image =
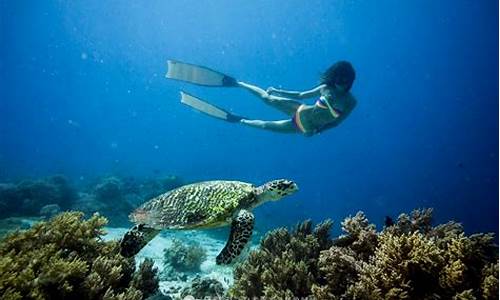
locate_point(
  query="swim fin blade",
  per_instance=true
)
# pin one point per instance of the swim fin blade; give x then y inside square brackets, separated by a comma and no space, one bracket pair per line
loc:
[208,108]
[198,75]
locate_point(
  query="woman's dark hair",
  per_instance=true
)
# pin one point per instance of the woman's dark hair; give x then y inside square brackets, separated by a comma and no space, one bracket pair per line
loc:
[341,73]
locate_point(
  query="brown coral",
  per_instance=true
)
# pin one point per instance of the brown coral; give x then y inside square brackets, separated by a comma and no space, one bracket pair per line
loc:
[65,259]
[361,236]
[408,260]
[489,284]
[402,266]
[285,266]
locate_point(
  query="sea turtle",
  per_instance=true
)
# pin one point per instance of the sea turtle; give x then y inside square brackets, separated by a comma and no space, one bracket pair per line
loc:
[202,205]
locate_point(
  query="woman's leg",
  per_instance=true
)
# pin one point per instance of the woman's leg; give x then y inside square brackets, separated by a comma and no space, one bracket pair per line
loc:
[286,105]
[282,126]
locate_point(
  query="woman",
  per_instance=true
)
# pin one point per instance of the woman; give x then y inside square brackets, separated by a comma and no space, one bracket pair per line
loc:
[334,101]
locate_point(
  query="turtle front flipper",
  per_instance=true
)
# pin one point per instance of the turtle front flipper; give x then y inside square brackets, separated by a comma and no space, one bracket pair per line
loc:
[136,238]
[241,232]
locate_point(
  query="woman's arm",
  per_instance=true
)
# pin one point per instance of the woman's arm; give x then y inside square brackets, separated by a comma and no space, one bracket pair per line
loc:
[315,92]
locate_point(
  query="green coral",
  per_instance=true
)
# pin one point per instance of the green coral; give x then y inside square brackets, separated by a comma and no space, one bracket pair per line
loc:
[184,257]
[65,258]
[408,260]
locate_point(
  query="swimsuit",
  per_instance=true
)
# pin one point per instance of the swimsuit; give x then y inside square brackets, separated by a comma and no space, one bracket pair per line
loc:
[296,119]
[321,103]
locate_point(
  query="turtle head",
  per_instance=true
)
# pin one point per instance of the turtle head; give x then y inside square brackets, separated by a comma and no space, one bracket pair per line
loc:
[276,189]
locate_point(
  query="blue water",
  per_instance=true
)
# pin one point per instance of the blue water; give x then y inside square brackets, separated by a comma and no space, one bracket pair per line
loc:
[82,92]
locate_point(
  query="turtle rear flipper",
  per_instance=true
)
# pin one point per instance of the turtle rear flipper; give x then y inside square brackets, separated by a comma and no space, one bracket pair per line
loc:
[241,232]
[135,239]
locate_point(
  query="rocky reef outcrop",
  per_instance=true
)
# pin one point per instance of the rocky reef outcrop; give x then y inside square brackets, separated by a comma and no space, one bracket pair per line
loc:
[28,197]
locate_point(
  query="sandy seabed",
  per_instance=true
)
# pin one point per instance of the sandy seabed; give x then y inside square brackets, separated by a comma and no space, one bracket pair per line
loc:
[154,250]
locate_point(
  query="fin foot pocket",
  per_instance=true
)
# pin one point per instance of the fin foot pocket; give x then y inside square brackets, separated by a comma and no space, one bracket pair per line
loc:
[229,81]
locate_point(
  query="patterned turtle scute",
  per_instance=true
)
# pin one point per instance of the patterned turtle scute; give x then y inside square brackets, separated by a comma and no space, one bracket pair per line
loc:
[199,205]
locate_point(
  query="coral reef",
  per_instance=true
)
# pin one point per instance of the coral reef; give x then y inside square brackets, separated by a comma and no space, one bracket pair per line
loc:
[109,193]
[12,224]
[29,196]
[204,288]
[109,189]
[410,259]
[145,279]
[65,258]
[50,210]
[111,196]
[285,266]
[184,257]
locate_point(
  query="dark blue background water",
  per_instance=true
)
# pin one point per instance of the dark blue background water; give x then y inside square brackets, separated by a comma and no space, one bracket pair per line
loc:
[83,93]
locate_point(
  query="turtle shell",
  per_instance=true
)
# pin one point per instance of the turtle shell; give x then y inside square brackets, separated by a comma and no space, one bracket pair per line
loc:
[198,205]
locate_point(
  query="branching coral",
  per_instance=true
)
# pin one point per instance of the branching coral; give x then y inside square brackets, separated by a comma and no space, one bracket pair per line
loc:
[408,260]
[402,265]
[65,259]
[419,220]
[286,264]
[489,285]
[146,279]
[361,236]
[184,257]
[339,269]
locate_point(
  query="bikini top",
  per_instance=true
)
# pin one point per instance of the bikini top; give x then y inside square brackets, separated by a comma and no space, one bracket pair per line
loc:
[323,103]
